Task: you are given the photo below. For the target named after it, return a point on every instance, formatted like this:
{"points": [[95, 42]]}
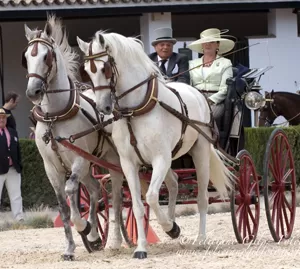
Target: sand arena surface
{"points": [[42, 248]]}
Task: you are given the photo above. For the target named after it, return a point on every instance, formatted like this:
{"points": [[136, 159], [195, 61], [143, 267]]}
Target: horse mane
{"points": [[130, 50], [284, 94], [70, 56]]}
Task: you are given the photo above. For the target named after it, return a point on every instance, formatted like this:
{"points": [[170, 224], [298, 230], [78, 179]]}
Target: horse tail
{"points": [[221, 177]]}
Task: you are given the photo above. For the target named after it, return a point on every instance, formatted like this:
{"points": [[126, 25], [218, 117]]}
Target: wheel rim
{"points": [[245, 202], [280, 187]]}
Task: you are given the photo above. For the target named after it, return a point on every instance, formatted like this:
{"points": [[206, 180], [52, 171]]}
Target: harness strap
{"points": [[184, 111], [133, 142]]}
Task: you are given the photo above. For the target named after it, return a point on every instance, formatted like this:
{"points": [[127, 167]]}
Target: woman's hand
{"points": [[211, 102]]}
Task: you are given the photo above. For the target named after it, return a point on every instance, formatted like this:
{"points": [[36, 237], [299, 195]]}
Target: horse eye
{"points": [[45, 57], [103, 70]]}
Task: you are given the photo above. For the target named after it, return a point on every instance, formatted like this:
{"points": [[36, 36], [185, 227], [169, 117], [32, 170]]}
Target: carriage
{"points": [[277, 184]]}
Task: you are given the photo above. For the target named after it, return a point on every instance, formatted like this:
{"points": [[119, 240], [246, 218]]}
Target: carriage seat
{"points": [[235, 86]]}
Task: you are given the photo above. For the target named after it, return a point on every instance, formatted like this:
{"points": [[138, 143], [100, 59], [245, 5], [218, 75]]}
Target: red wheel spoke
{"points": [[274, 173], [274, 166], [278, 212], [248, 223], [241, 219], [287, 204], [244, 223], [287, 174], [278, 156], [239, 209], [280, 216], [286, 219], [253, 187], [251, 215], [284, 162], [275, 199], [103, 216]]}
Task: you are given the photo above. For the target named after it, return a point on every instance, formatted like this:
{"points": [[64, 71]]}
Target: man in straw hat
{"points": [[10, 165], [210, 78], [169, 62]]}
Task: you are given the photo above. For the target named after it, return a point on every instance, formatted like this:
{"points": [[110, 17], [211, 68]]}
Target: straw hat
{"points": [[3, 113], [163, 35], [213, 35]]}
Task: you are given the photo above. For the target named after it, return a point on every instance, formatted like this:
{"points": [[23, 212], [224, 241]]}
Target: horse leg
{"points": [[80, 167], [171, 181], [201, 158], [160, 166], [93, 188], [117, 183], [131, 173], [57, 181]]}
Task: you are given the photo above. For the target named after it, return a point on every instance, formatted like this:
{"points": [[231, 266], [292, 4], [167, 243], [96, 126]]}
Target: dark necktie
{"points": [[162, 66]]}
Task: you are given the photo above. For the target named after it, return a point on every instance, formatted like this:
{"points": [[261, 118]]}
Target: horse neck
{"points": [[287, 107], [54, 102], [128, 78]]}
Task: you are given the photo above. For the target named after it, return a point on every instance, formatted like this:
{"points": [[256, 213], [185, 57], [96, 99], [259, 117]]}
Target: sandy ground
{"points": [[42, 248]]}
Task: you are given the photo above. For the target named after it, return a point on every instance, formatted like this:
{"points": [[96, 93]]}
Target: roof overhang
{"points": [[37, 9]]}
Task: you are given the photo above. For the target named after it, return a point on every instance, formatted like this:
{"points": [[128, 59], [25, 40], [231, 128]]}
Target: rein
{"points": [[211, 61], [271, 100]]}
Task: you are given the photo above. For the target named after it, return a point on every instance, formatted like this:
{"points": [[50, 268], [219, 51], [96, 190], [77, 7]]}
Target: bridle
{"points": [[272, 107], [268, 122], [110, 69], [49, 58]]}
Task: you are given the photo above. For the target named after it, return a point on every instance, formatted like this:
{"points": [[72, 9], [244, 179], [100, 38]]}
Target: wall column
{"points": [[148, 23]]}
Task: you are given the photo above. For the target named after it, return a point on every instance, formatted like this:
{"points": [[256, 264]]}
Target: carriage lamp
{"points": [[254, 100]]}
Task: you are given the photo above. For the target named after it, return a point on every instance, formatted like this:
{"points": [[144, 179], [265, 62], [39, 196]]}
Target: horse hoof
{"points": [[174, 232], [68, 257], [140, 255], [96, 245]]}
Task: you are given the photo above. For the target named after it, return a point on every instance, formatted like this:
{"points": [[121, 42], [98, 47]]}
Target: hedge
{"points": [[37, 190]]}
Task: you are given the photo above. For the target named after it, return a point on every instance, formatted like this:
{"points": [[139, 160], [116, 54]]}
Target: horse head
{"points": [[103, 55], [268, 113], [39, 58], [100, 66]]}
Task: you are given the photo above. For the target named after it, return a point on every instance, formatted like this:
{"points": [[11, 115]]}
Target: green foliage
{"points": [[256, 143], [36, 188]]}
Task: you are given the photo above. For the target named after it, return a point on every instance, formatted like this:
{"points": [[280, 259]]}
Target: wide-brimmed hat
{"points": [[164, 34], [3, 113], [213, 35]]}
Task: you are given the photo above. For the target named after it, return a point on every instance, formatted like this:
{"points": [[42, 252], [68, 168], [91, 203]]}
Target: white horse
{"points": [[148, 132], [52, 65]]}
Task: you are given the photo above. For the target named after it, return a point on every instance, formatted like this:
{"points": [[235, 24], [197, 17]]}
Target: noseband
{"points": [[49, 58], [110, 70]]}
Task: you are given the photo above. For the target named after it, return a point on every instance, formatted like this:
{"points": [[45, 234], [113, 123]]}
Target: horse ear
{"points": [[84, 46], [29, 34], [48, 29], [101, 40]]}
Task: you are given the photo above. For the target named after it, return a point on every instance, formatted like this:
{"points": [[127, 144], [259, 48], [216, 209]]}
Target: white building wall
{"points": [[281, 50]]}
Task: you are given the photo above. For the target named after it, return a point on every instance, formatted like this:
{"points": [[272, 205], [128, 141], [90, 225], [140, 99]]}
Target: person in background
{"points": [[11, 102], [10, 165], [210, 78], [169, 62]]}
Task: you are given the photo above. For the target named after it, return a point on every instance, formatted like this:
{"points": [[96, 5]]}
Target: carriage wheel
{"points": [[279, 186], [129, 225], [102, 215], [244, 202]]}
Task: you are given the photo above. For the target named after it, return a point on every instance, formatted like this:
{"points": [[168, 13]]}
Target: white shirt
{"points": [[166, 64]]}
